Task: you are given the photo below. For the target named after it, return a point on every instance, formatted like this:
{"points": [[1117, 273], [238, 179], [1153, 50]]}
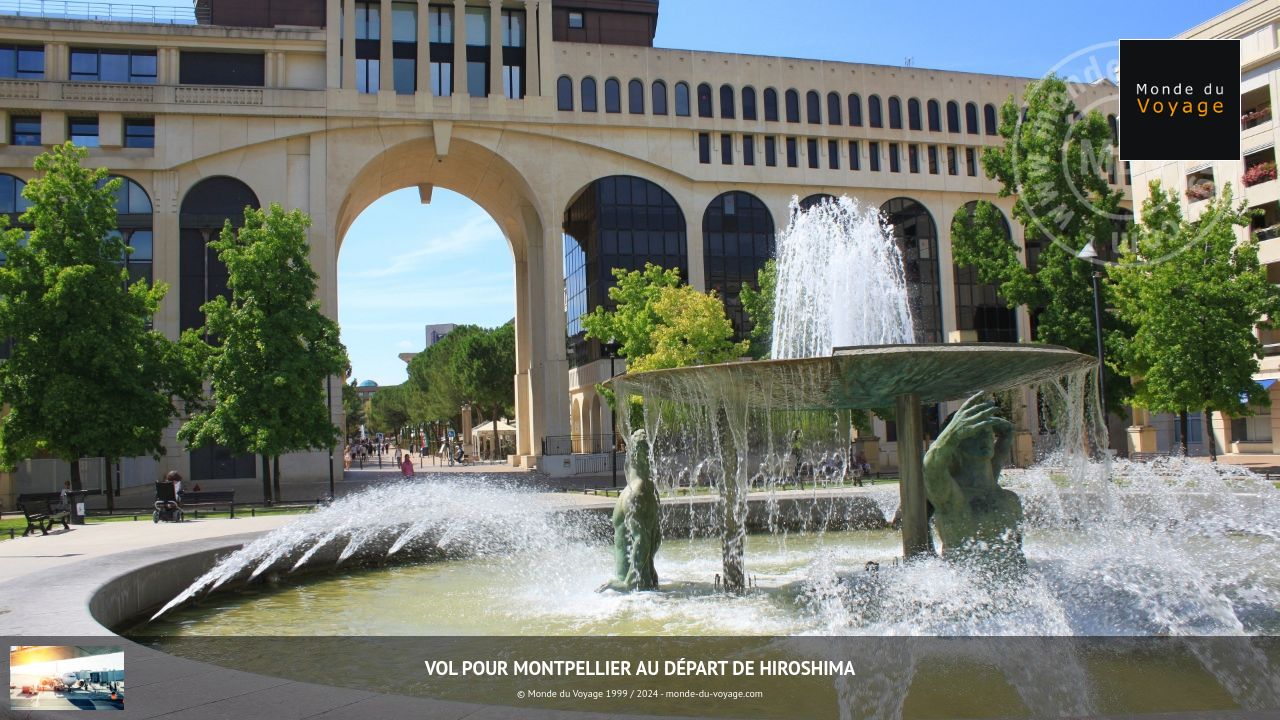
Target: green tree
{"points": [[353, 408], [758, 305], [87, 374], [1194, 295], [483, 367], [1056, 166], [270, 347], [432, 374], [389, 409]]}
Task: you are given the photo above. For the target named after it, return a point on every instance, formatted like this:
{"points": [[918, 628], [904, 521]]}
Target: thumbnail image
{"points": [[66, 677]]}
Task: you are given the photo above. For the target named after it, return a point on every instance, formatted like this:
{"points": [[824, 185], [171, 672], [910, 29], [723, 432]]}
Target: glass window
{"points": [[11, 200], [855, 110], [478, 27], [933, 159], [704, 148], [811, 149], [770, 105], [895, 164], [979, 306], [726, 149], [564, 93], [726, 102], [440, 25], [513, 28], [83, 131], [576, 21], [704, 101], [140, 132], [917, 239], [913, 114], [935, 116], [748, 150], [873, 111], [749, 103], [682, 99], [771, 151], [368, 21], [366, 75], [855, 162], [992, 125], [24, 62], [477, 78], [24, 130], [971, 161], [659, 97], [612, 96], [118, 66], [873, 156], [131, 199], [793, 106], [813, 107], [834, 116], [793, 153], [953, 116], [588, 94], [441, 79], [953, 167], [404, 72], [404, 22], [833, 154], [895, 113], [635, 97], [913, 158], [971, 118], [738, 239]]}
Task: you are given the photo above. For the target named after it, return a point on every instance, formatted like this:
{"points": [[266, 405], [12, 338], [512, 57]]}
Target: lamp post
{"points": [[611, 348], [328, 397], [1088, 254]]}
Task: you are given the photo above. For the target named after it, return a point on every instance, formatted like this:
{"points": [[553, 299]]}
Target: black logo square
{"points": [[1180, 99]]}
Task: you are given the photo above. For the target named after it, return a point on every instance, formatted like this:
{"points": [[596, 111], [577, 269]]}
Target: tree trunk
{"points": [[275, 476], [1183, 427], [1208, 431], [111, 495], [266, 480], [75, 474], [495, 454]]}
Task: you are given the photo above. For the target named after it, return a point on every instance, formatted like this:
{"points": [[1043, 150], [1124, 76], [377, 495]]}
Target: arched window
{"points": [[726, 102], [133, 222], [564, 93], [635, 97], [979, 306], [770, 105], [992, 124], [659, 92], [913, 115], [917, 238], [953, 116], [855, 110], [704, 101], [588, 94], [737, 237], [618, 221], [935, 116], [813, 107], [971, 118], [749, 103], [202, 277], [873, 112], [612, 96], [834, 116], [12, 204], [895, 113], [1115, 129], [682, 99], [793, 106], [816, 199]]}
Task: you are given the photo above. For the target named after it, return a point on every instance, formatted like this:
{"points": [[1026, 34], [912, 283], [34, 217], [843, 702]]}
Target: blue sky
{"points": [[404, 265]]}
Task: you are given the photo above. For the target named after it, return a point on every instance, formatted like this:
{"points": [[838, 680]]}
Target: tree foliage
{"points": [[352, 408], [269, 346], [1194, 295], [469, 365], [1055, 164], [389, 409], [758, 305], [87, 374]]}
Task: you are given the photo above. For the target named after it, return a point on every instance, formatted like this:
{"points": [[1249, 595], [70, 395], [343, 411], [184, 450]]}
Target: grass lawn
{"points": [[18, 523]]}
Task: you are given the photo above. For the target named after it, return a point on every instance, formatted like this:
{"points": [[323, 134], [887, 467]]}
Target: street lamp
{"points": [[1088, 254], [611, 348]]}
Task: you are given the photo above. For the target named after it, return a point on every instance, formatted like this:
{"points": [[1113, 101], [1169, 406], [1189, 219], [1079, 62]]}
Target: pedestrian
{"points": [[65, 495], [346, 458], [406, 466], [397, 455]]}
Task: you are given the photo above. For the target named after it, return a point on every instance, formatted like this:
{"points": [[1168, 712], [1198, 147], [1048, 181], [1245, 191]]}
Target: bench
{"points": [[1143, 457], [210, 498], [41, 514]]}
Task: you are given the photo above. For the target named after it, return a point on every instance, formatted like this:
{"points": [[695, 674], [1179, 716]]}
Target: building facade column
{"points": [[349, 44], [545, 64], [532, 74], [57, 61], [460, 48], [333, 43], [386, 62], [423, 34], [495, 48]]}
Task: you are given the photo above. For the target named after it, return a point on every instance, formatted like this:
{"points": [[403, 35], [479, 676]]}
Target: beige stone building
{"points": [[589, 147], [1253, 179]]}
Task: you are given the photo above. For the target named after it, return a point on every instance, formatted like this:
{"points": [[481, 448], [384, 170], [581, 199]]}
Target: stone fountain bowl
{"points": [[870, 376]]}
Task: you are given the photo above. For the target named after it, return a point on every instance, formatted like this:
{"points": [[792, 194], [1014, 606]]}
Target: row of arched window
{"points": [[836, 110]]}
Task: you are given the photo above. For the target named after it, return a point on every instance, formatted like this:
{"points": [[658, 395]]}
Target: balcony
{"points": [[1254, 118], [105, 12]]}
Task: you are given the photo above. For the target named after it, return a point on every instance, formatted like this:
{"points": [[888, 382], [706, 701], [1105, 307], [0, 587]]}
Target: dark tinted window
{"points": [[659, 92], [217, 68], [737, 236], [873, 112], [564, 93], [612, 96], [588, 94], [682, 99]]}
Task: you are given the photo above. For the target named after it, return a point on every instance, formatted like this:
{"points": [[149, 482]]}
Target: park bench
{"points": [[41, 513], [1144, 457], [210, 498]]}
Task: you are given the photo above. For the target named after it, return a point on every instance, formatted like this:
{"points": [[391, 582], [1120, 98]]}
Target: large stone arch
{"points": [[916, 233], [738, 234], [473, 165], [979, 307]]}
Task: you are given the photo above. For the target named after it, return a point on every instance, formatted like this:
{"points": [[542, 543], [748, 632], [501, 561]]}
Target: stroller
{"points": [[166, 505]]}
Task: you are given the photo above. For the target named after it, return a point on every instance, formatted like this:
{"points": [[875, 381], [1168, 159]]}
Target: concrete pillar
{"points": [[386, 63], [549, 376], [524, 350], [460, 48], [349, 44], [915, 519], [546, 67], [333, 43], [110, 130], [946, 271], [495, 48], [423, 36], [694, 242], [532, 76], [53, 128], [57, 61]]}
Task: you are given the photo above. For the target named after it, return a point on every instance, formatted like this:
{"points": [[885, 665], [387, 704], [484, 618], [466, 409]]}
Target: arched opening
{"points": [[813, 107], [635, 97], [659, 92], [935, 116], [749, 103], [201, 277], [12, 205], [913, 114], [564, 93], [133, 223], [855, 110], [979, 306], [738, 239], [726, 102], [874, 116], [917, 238], [793, 106], [620, 221], [895, 113], [682, 99], [588, 94], [816, 199], [990, 120], [612, 96], [971, 118], [770, 105], [953, 116], [704, 101]]}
